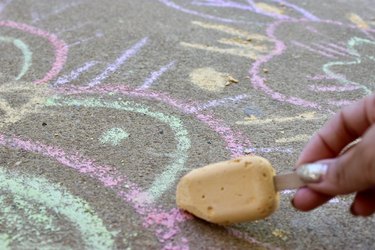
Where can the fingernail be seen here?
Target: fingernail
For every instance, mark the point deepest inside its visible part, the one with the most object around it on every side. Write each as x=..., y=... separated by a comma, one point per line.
x=312, y=172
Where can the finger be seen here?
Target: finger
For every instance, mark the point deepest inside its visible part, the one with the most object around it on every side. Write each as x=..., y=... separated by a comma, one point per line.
x=364, y=203
x=306, y=199
x=351, y=172
x=349, y=124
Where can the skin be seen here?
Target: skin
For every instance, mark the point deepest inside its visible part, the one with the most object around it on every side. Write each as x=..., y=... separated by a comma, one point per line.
x=351, y=172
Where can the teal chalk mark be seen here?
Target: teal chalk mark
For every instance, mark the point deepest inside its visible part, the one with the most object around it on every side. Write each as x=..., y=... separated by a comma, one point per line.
x=4, y=241
x=27, y=54
x=352, y=43
x=27, y=190
x=113, y=136
x=28, y=219
x=168, y=177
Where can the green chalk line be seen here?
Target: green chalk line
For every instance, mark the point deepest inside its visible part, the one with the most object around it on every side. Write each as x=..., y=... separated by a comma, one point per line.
x=168, y=177
x=113, y=136
x=27, y=54
x=352, y=43
x=4, y=241
x=27, y=189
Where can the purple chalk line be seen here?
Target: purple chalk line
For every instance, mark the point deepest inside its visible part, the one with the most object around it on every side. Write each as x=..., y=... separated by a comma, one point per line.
x=74, y=74
x=155, y=75
x=119, y=62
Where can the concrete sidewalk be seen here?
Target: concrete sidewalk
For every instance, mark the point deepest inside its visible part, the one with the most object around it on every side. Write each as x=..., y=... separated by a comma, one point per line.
x=104, y=105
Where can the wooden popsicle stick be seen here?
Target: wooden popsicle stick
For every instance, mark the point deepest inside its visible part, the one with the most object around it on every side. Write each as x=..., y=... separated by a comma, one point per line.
x=288, y=181
x=293, y=181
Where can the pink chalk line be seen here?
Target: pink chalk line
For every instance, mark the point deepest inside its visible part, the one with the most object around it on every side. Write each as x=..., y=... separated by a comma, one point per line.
x=127, y=54
x=321, y=77
x=343, y=49
x=220, y=102
x=322, y=47
x=317, y=88
x=259, y=82
x=164, y=224
x=61, y=49
x=235, y=141
x=340, y=103
x=156, y=75
x=313, y=50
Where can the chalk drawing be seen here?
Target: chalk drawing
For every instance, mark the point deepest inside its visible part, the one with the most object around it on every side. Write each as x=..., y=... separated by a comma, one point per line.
x=221, y=102
x=272, y=9
x=155, y=75
x=3, y=5
x=37, y=96
x=171, y=4
x=56, y=11
x=209, y=79
x=307, y=116
x=260, y=8
x=167, y=178
x=327, y=49
x=352, y=44
x=244, y=44
x=60, y=47
x=27, y=54
x=348, y=87
x=75, y=73
x=4, y=241
x=127, y=54
x=244, y=236
x=113, y=136
x=73, y=28
x=259, y=81
x=235, y=141
x=340, y=103
x=85, y=40
x=164, y=223
x=314, y=50
x=297, y=138
x=263, y=150
x=358, y=21
x=50, y=196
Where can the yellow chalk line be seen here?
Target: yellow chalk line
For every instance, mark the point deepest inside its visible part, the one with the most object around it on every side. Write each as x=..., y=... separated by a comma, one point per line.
x=358, y=21
x=304, y=117
x=13, y=115
x=298, y=138
x=230, y=51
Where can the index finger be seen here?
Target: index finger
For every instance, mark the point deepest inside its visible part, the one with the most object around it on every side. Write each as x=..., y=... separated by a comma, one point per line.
x=346, y=126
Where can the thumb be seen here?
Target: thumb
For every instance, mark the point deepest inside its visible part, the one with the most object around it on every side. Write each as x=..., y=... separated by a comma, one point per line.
x=351, y=172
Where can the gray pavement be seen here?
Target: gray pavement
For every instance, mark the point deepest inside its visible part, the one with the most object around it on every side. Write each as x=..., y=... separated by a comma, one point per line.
x=104, y=105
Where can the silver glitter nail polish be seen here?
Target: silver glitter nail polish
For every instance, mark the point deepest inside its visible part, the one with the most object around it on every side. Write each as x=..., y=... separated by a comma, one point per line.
x=312, y=172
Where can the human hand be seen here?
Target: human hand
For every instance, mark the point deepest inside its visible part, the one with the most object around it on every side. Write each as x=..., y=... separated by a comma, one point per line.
x=351, y=172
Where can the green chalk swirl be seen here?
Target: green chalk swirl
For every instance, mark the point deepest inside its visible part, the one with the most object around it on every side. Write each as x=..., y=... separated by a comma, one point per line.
x=168, y=177
x=35, y=197
x=352, y=44
x=113, y=136
x=27, y=54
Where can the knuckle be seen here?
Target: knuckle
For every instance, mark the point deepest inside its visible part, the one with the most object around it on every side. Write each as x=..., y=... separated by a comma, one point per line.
x=339, y=177
x=370, y=108
x=366, y=161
